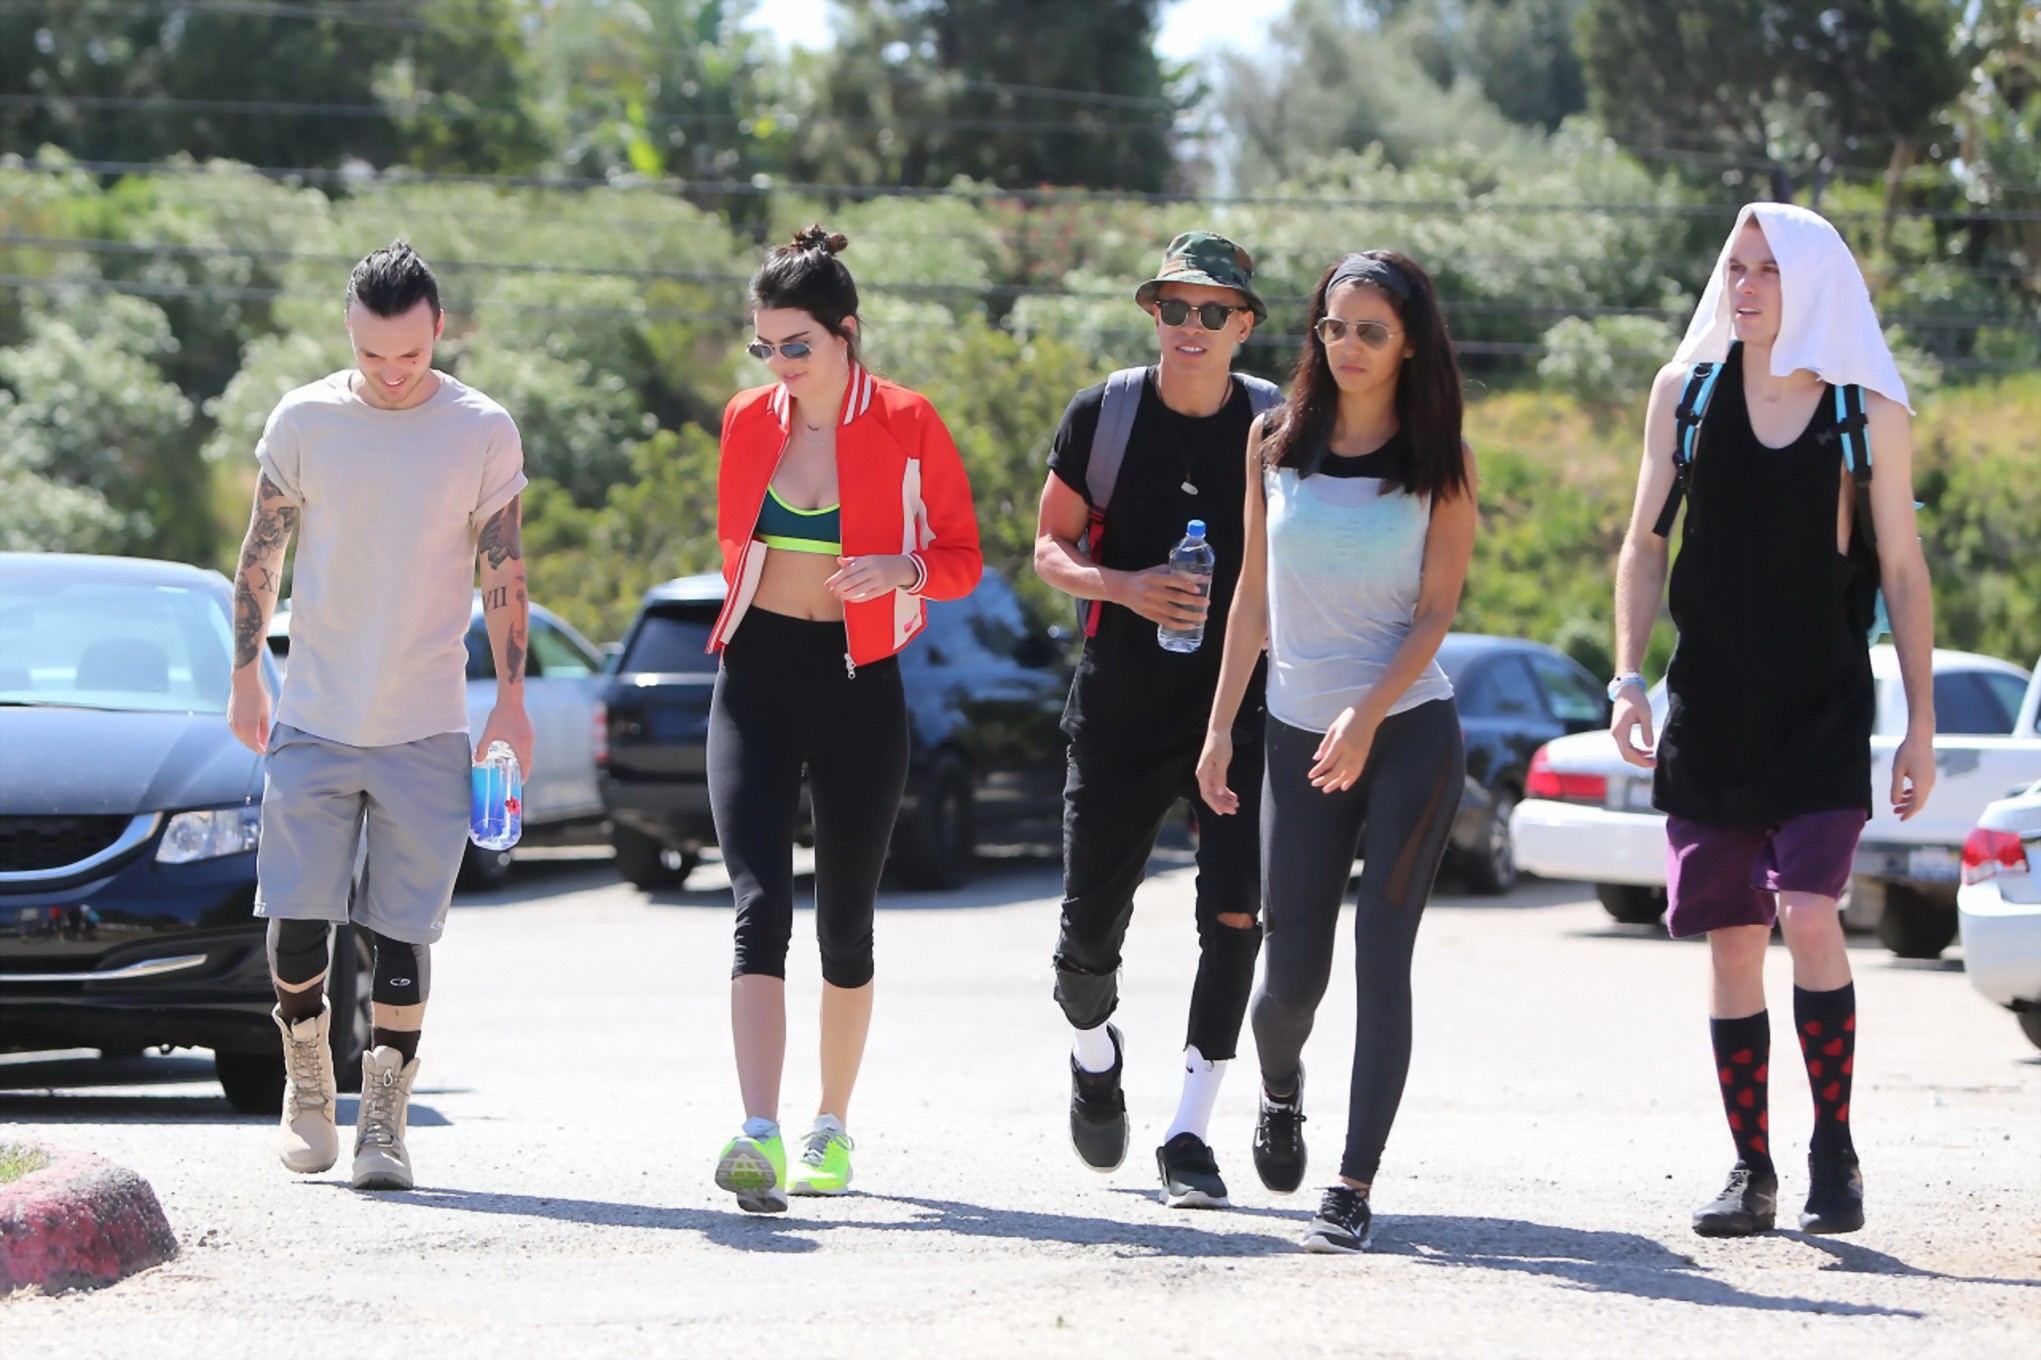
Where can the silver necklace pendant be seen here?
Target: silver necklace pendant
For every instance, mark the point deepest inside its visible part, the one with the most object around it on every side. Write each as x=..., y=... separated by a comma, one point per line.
x=1188, y=489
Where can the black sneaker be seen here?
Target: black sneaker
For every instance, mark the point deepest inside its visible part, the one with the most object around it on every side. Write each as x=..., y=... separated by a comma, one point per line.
x=1098, y=1111
x=1345, y=1223
x=1747, y=1205
x=1279, y=1140
x=1835, y=1193
x=1190, y=1174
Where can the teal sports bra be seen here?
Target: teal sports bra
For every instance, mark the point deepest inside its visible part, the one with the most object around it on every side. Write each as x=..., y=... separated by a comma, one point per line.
x=811, y=531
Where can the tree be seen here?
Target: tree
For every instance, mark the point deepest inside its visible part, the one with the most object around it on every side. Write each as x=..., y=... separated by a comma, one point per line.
x=1015, y=92
x=661, y=87
x=436, y=84
x=1789, y=89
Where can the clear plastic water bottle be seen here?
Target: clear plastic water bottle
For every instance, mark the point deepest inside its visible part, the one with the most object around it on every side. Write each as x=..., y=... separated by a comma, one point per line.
x=496, y=799
x=1194, y=560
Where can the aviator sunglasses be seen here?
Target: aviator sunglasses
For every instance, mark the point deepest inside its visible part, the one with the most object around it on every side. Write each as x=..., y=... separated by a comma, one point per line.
x=1373, y=334
x=1211, y=315
x=793, y=349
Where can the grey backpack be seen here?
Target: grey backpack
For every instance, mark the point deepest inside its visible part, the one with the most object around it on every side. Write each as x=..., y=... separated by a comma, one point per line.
x=1109, y=451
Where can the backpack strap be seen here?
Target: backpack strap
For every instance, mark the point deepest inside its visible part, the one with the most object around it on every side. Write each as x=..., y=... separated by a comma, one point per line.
x=1686, y=435
x=1262, y=394
x=1102, y=470
x=1853, y=427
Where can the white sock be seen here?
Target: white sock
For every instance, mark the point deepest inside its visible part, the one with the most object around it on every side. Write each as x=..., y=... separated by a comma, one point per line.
x=760, y=1127
x=1093, y=1049
x=1201, y=1078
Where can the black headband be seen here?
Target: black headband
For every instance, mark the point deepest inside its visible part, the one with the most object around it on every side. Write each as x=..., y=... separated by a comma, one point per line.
x=1368, y=269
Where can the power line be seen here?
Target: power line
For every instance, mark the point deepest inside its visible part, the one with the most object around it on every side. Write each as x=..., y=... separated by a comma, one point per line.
x=365, y=12
x=765, y=185
x=1477, y=306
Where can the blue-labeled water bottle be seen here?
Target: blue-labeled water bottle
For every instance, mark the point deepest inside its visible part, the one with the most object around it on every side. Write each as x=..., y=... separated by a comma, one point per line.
x=1194, y=560
x=496, y=799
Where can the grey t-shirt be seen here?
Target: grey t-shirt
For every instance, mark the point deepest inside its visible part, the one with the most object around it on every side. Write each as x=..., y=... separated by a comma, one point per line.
x=391, y=504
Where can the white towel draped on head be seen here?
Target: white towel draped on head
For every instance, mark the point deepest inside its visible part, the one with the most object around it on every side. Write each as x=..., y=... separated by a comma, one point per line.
x=1826, y=322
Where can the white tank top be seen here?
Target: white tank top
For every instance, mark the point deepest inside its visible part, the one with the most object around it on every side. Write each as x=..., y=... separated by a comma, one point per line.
x=1345, y=558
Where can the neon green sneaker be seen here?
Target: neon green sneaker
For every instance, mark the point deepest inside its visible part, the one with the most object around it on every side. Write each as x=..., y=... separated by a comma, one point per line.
x=754, y=1168
x=824, y=1166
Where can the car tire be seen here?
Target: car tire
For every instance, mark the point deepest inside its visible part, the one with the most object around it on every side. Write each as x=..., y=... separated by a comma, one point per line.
x=1913, y=925
x=1631, y=904
x=938, y=847
x=2030, y=1025
x=252, y=1082
x=1492, y=863
x=645, y=863
x=482, y=870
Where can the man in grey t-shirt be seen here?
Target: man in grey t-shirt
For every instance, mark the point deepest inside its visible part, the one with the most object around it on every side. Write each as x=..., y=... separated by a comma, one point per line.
x=394, y=476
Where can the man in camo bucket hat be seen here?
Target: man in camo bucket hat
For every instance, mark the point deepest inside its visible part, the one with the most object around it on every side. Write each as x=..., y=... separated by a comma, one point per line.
x=1207, y=258
x=1167, y=446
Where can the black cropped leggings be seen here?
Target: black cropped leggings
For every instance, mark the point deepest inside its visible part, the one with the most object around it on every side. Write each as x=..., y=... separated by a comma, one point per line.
x=1397, y=816
x=785, y=703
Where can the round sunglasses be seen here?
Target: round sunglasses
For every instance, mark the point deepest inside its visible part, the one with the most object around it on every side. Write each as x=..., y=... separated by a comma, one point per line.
x=1211, y=315
x=1373, y=334
x=793, y=349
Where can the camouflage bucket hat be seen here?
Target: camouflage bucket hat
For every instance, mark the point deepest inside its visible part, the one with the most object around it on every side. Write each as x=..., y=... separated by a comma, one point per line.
x=1208, y=258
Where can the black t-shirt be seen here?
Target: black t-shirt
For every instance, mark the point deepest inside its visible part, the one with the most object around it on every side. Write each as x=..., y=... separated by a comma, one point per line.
x=1177, y=468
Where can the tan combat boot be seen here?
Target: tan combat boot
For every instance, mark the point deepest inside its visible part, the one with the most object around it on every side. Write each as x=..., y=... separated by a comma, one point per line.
x=311, y=1142
x=380, y=1159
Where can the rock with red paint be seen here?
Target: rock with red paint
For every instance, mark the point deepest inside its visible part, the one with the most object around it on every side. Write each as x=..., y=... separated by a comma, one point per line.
x=78, y=1223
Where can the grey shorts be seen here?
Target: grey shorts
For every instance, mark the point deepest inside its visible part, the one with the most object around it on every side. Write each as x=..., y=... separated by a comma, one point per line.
x=319, y=795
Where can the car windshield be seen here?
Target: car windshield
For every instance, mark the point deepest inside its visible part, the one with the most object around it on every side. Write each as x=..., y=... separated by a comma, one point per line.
x=672, y=640
x=118, y=645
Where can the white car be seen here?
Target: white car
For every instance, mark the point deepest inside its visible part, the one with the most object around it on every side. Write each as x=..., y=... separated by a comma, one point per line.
x=561, y=799
x=1587, y=814
x=1998, y=908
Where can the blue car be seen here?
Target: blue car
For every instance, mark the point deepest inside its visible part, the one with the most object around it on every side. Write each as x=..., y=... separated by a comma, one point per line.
x=128, y=823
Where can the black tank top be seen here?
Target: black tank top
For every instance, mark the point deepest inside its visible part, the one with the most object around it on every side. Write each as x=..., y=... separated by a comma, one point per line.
x=1771, y=697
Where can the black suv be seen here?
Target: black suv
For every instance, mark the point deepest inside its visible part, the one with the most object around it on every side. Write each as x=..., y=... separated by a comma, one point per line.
x=985, y=687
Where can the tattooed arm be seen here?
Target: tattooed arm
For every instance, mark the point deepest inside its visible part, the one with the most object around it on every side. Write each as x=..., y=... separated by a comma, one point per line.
x=509, y=617
x=256, y=581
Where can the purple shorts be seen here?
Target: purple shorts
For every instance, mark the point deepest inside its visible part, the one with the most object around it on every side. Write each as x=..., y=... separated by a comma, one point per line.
x=1720, y=876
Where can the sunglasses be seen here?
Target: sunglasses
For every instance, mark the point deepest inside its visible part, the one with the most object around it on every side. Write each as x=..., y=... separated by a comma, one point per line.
x=793, y=349
x=1373, y=334
x=1211, y=315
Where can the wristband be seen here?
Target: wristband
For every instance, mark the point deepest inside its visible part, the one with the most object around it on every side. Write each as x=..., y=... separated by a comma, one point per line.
x=1624, y=681
x=920, y=573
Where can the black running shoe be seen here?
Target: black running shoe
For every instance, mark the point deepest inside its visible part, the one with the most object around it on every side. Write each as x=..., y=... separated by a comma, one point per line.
x=1835, y=1193
x=1748, y=1204
x=1345, y=1223
x=1190, y=1174
x=1098, y=1111
x=1279, y=1140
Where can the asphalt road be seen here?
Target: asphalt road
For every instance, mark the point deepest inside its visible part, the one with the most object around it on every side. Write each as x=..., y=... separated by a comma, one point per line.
x=1560, y=1123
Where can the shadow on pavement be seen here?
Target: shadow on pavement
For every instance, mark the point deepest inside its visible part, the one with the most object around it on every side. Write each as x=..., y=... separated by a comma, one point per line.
x=1606, y=1262
x=1857, y=1260
x=777, y=1233
x=68, y=1089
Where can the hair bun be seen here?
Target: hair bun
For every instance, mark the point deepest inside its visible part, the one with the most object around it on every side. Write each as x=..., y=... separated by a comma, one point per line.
x=819, y=237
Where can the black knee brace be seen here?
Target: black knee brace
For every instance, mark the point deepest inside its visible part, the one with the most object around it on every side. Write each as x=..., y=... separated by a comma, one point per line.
x=299, y=951
x=403, y=972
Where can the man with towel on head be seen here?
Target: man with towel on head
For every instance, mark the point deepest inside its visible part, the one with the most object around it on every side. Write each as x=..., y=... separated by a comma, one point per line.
x=1766, y=423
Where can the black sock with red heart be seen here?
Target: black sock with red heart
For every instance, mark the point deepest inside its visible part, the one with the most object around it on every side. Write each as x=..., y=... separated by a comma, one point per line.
x=1827, y=1025
x=1743, y=1055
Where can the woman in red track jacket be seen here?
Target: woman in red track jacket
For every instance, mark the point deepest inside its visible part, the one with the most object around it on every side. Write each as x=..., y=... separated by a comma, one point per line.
x=841, y=506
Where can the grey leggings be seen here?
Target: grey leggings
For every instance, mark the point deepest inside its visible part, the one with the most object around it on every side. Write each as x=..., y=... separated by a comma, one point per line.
x=1397, y=816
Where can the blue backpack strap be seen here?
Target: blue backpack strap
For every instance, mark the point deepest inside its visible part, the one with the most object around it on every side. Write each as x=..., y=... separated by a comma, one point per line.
x=1262, y=394
x=1686, y=435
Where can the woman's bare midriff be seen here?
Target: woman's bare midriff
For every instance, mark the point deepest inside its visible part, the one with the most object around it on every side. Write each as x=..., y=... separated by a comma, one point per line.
x=792, y=584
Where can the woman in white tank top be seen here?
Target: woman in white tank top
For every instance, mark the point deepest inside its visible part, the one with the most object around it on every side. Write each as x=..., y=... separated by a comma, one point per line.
x=1360, y=523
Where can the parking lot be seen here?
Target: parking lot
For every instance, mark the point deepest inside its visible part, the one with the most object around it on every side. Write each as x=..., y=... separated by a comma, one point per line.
x=1560, y=1123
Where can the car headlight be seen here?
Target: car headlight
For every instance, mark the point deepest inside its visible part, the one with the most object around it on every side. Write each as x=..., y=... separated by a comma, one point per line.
x=209, y=834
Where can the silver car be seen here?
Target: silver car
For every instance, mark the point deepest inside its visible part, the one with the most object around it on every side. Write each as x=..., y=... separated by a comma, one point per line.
x=561, y=799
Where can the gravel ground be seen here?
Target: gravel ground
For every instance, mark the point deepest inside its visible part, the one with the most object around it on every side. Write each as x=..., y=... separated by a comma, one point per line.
x=1560, y=1123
